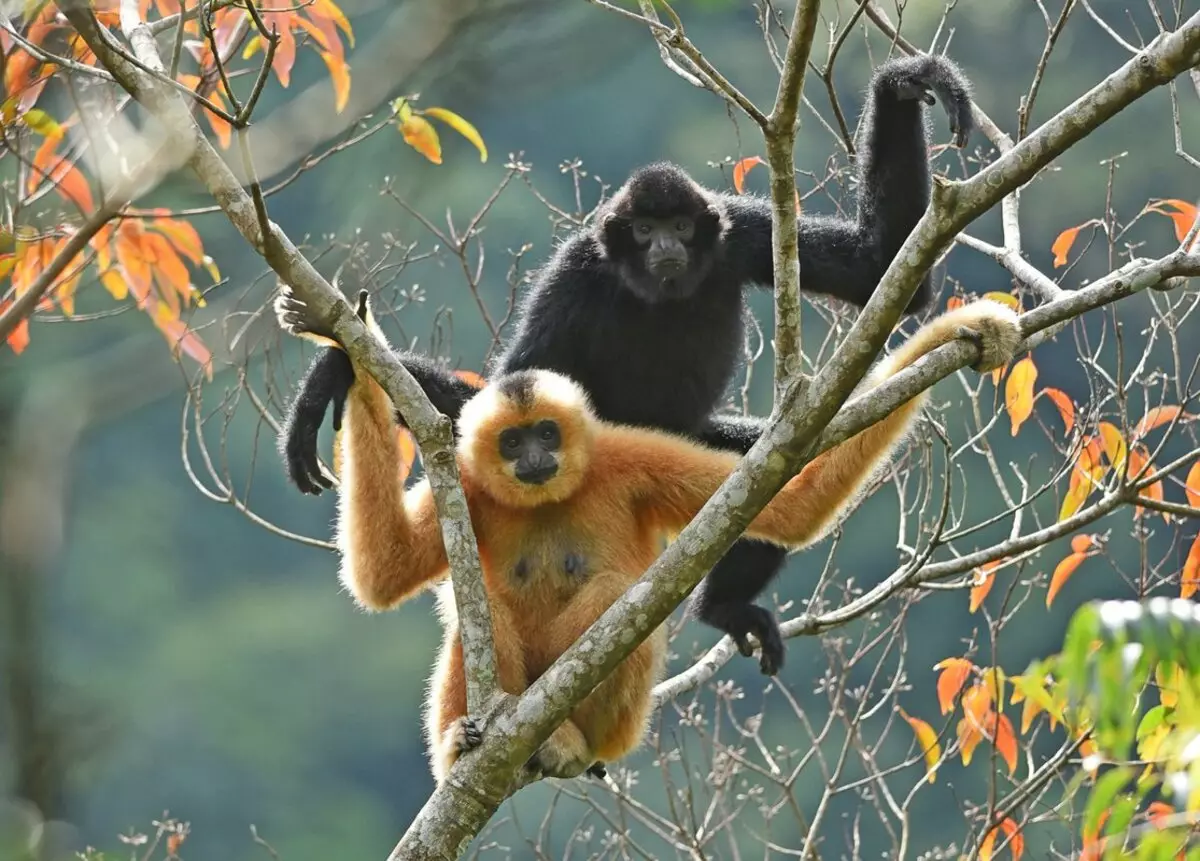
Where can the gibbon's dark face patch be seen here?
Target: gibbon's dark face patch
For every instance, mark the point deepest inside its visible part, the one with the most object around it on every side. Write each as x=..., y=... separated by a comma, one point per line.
x=532, y=447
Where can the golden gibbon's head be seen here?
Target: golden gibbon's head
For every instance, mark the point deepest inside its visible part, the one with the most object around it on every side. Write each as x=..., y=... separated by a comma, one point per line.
x=526, y=438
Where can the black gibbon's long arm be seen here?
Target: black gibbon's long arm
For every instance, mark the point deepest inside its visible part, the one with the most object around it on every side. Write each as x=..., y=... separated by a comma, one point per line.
x=846, y=258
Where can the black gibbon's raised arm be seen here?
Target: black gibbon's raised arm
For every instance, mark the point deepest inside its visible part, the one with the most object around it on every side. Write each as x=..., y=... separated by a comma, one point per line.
x=644, y=308
x=568, y=511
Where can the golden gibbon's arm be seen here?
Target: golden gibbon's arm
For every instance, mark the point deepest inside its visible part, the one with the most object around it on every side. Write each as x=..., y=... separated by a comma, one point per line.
x=390, y=540
x=674, y=478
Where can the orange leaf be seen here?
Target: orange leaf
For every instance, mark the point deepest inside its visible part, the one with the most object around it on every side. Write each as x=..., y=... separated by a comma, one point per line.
x=1192, y=485
x=969, y=736
x=408, y=452
x=977, y=702
x=1016, y=843
x=928, y=741
x=420, y=134
x=954, y=674
x=741, y=169
x=983, y=583
x=1183, y=218
x=1082, y=543
x=1005, y=742
x=1190, y=581
x=1062, y=245
x=1158, y=812
x=169, y=271
x=285, y=51
x=471, y=378
x=1065, y=406
x=183, y=236
x=339, y=73
x=954, y=302
x=1093, y=846
x=1062, y=573
x=178, y=335
x=1018, y=392
x=18, y=338
x=1154, y=418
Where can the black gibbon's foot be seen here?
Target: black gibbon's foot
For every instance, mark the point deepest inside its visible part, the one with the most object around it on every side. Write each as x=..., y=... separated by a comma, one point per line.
x=925, y=76
x=598, y=771
x=741, y=620
x=465, y=734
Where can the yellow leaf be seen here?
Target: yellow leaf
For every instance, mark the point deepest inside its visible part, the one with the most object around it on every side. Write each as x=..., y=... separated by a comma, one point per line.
x=1169, y=684
x=1004, y=299
x=42, y=123
x=403, y=111
x=329, y=9
x=1065, y=407
x=1062, y=573
x=211, y=266
x=954, y=674
x=927, y=740
x=339, y=73
x=1018, y=392
x=7, y=261
x=114, y=284
x=253, y=46
x=743, y=167
x=420, y=135
x=461, y=126
x=1113, y=445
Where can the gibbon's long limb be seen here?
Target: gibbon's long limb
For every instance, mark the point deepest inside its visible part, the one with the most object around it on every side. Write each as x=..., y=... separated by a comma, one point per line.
x=644, y=307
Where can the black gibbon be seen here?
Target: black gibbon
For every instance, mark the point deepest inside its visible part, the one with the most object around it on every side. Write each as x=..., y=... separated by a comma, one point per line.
x=569, y=511
x=644, y=308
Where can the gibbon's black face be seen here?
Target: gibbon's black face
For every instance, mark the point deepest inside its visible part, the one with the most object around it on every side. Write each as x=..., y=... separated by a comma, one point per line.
x=663, y=232
x=533, y=448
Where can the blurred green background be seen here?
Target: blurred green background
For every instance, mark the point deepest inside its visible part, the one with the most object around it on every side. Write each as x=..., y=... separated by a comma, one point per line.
x=189, y=660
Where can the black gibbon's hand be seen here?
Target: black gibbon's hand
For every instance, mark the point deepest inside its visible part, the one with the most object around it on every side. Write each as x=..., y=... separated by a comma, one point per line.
x=327, y=380
x=927, y=75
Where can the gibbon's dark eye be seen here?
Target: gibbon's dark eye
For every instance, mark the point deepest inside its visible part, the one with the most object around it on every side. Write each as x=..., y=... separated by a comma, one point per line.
x=683, y=225
x=642, y=228
x=510, y=442
x=549, y=434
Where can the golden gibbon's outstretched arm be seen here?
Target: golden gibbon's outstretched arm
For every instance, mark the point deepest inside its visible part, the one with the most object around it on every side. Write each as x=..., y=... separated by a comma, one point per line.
x=675, y=477
x=390, y=540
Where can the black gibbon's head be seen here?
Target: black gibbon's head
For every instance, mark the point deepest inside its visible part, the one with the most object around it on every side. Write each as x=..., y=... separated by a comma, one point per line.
x=662, y=230
x=526, y=438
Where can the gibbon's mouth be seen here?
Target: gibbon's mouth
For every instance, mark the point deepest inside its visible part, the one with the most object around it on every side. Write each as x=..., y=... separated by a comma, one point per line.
x=537, y=476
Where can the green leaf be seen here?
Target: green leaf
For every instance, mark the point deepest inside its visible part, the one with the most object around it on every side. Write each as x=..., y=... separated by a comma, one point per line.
x=1107, y=788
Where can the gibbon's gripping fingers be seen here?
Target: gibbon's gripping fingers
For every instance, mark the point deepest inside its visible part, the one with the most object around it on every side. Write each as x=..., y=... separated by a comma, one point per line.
x=924, y=76
x=565, y=754
x=996, y=337
x=739, y=620
x=461, y=736
x=598, y=771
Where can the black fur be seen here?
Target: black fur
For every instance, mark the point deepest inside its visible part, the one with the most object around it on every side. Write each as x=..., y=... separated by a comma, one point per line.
x=648, y=355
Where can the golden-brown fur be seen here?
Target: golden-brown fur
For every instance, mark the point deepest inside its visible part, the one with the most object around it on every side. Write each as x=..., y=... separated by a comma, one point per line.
x=556, y=556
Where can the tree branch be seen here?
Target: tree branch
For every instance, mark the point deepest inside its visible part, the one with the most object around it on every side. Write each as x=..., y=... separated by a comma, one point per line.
x=431, y=429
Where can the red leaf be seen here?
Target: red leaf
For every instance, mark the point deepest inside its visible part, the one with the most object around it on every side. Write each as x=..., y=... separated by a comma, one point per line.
x=1158, y=812
x=1065, y=407
x=741, y=169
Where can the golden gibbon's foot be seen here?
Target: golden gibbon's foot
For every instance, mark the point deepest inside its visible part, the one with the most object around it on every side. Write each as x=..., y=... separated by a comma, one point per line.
x=993, y=328
x=464, y=734
x=564, y=755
